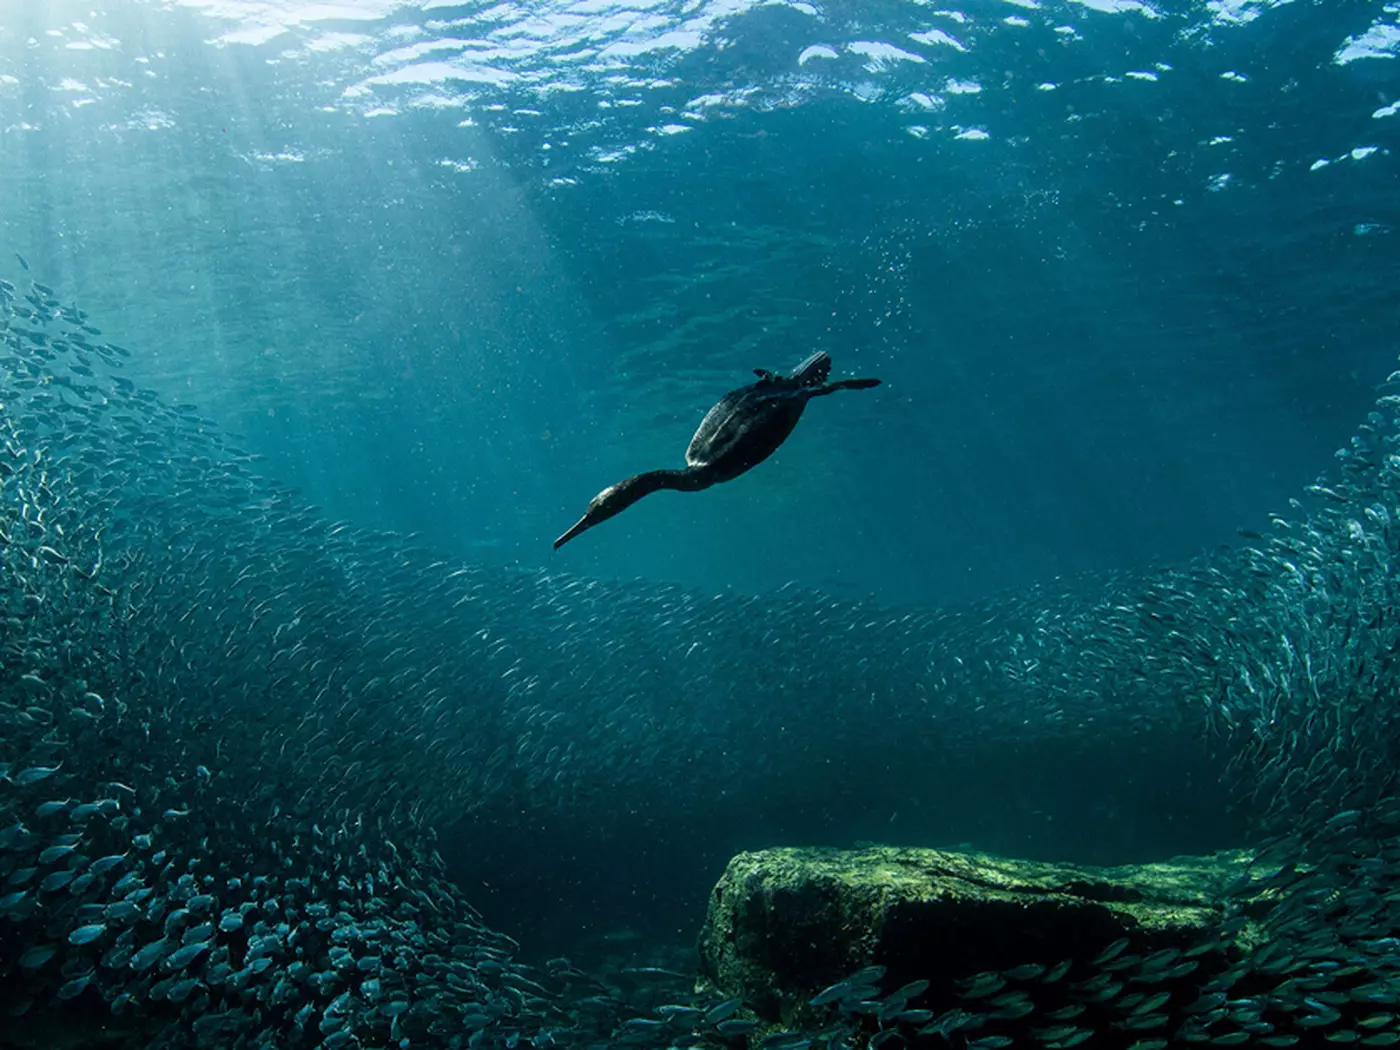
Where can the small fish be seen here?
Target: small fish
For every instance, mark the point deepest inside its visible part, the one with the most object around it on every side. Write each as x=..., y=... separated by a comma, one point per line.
x=1157, y=960
x=120, y=911
x=1025, y=972
x=75, y=987
x=1105, y=991
x=889, y=1008
x=949, y=1022
x=912, y=990
x=1056, y=1033
x=913, y=1016
x=735, y=1026
x=869, y=975
x=1230, y=1038
x=198, y=934
x=1111, y=952
x=1375, y=993
x=722, y=1011
x=982, y=985
x=1230, y=927
x=23, y=265
x=832, y=993
x=1139, y=1022
x=1206, y=1003
x=676, y=1012
x=776, y=1040
x=1014, y=1012
x=1151, y=1003
x=58, y=880
x=181, y=958
x=102, y=865
x=180, y=990
x=1320, y=1019
x=1171, y=973
x=36, y=957
x=56, y=853
x=865, y=1007
x=150, y=954
x=1123, y=962
x=34, y=774
x=87, y=934
x=19, y=1006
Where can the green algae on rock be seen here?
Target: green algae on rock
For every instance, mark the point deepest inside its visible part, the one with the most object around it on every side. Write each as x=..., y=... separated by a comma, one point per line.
x=783, y=923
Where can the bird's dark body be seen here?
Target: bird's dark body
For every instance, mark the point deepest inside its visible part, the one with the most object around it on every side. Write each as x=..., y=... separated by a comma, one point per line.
x=740, y=432
x=744, y=429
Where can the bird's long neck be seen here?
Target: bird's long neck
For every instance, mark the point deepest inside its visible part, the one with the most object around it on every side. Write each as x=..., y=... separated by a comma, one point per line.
x=616, y=498
x=688, y=479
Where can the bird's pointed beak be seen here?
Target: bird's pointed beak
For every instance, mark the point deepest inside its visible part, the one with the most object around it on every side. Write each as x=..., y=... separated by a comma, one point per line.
x=612, y=500
x=583, y=523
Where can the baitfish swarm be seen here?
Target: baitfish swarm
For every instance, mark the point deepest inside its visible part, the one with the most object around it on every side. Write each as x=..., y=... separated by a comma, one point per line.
x=230, y=729
x=203, y=838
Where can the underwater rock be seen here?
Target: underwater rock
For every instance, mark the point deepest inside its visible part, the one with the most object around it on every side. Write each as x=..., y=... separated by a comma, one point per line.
x=783, y=923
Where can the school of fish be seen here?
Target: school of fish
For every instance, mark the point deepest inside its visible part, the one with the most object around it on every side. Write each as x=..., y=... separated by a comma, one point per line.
x=231, y=731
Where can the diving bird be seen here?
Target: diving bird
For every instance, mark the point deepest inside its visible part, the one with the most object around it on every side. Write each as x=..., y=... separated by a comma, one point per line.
x=740, y=432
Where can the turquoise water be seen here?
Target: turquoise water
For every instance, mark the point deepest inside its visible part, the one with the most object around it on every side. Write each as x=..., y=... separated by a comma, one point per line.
x=453, y=268
x=424, y=278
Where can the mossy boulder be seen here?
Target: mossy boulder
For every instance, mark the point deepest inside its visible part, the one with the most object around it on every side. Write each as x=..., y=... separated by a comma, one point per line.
x=783, y=923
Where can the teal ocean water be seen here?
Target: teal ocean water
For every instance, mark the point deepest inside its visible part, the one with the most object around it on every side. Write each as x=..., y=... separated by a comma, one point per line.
x=455, y=268
x=321, y=321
